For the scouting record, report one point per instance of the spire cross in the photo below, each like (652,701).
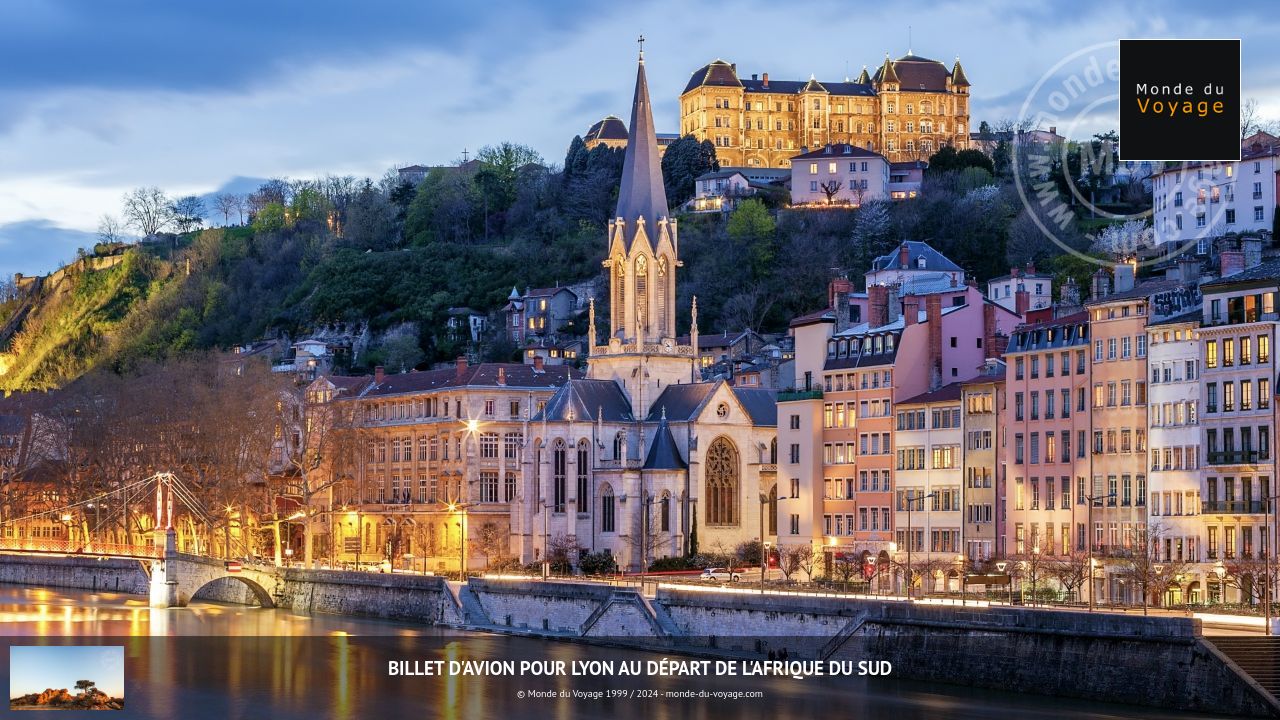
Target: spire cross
(640,42)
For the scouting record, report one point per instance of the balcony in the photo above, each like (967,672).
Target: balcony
(1231,507)
(796,395)
(1234,457)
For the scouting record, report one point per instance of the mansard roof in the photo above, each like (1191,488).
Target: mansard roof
(933,260)
(913,72)
(715,73)
(588,401)
(610,128)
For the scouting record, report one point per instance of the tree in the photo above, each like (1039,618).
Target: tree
(321,443)
(401,351)
(684,160)
(1140,563)
(370,220)
(228,204)
(1252,121)
(1071,571)
(148,210)
(561,552)
(872,235)
(791,558)
(754,233)
(1124,240)
(831,188)
(492,542)
(188,213)
(110,230)
(84,685)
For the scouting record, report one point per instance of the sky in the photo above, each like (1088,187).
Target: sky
(34,669)
(197,97)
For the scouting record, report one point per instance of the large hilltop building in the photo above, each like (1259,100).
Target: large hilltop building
(906,111)
(633,457)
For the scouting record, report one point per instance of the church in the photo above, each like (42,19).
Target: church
(641,458)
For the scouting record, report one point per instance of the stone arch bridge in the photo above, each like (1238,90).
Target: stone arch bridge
(178,577)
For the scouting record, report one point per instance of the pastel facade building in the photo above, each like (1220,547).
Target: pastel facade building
(839,175)
(983,462)
(929,452)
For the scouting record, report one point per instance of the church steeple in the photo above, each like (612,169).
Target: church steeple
(642,193)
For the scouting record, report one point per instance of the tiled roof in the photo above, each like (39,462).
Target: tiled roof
(838,150)
(760,404)
(540,292)
(1269,270)
(681,402)
(610,128)
(1191,315)
(515,375)
(1140,290)
(589,401)
(946,393)
(721,74)
(716,73)
(933,260)
(813,317)
(918,73)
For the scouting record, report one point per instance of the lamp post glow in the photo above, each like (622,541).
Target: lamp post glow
(1008,580)
(1221,571)
(1089,531)
(910,537)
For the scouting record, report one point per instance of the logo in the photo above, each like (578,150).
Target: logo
(1180,100)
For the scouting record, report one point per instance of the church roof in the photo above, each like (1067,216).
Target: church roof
(582,400)
(681,402)
(761,404)
(664,454)
(958,78)
(642,193)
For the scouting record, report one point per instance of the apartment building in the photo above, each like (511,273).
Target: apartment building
(1173,419)
(982,406)
(1046,431)
(1237,337)
(929,484)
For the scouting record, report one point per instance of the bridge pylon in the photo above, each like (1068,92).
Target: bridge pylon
(164,580)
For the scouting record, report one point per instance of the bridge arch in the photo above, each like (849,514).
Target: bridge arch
(259,592)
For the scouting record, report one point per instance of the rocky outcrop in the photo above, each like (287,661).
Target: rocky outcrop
(60,699)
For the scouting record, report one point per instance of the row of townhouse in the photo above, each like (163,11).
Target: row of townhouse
(1134,434)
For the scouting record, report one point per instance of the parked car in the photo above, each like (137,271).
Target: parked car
(720,575)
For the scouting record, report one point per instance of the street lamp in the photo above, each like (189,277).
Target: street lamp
(1008,580)
(764,546)
(1089,532)
(1221,571)
(462,567)
(911,499)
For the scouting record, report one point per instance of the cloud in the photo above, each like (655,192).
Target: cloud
(33,247)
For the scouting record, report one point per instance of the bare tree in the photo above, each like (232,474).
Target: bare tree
(148,210)
(1071,571)
(318,445)
(831,188)
(1140,563)
(791,558)
(228,204)
(110,229)
(490,540)
(1252,121)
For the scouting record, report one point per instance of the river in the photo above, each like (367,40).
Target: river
(213,660)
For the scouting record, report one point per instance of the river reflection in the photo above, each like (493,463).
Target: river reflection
(228,661)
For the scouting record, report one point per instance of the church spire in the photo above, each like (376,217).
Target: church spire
(642,193)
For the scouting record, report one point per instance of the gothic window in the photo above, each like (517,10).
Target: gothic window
(619,445)
(606,509)
(558,476)
(722,483)
(664,513)
(642,296)
(773,510)
(583,462)
(664,284)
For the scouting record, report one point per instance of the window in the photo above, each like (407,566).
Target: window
(607,519)
(582,464)
(558,462)
(722,483)
(488,446)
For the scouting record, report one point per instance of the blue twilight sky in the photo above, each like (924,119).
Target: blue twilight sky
(34,669)
(99,97)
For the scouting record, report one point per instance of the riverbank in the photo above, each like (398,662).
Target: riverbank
(1160,662)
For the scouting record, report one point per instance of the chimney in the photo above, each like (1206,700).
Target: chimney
(1189,270)
(502,376)
(755,76)
(735,67)
(904,256)
(910,310)
(933,315)
(893,303)
(766,80)
(1100,285)
(538,363)
(877,305)
(1031,268)
(1014,272)
(378,374)
(1123,278)
(1230,262)
(1252,249)
(989,330)
(1070,294)
(1053,129)
(1021,302)
(461,365)
(842,311)
(837,287)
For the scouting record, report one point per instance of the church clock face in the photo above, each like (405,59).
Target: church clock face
(722,410)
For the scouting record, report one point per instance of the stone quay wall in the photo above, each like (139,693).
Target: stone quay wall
(1152,661)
